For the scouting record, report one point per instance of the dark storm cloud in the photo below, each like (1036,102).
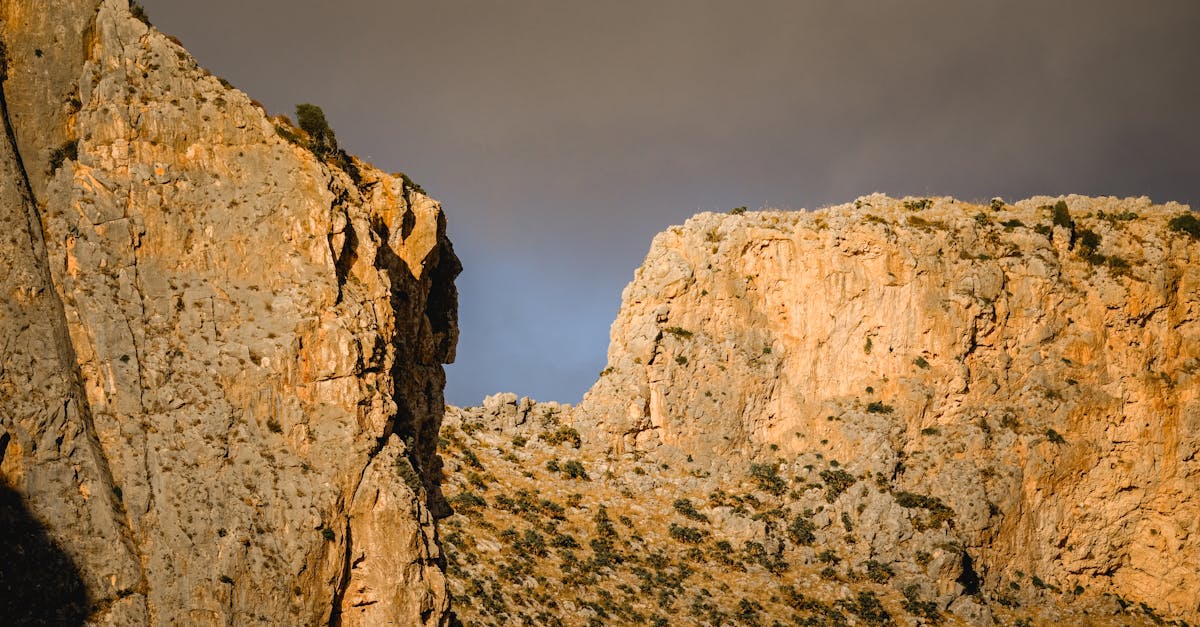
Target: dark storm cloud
(561,136)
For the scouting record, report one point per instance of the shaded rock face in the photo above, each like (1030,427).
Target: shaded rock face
(222,358)
(1036,373)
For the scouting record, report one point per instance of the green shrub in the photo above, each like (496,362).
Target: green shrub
(722,552)
(687,535)
(531,543)
(328,534)
(877,407)
(1054,437)
(574,470)
(687,510)
(1118,216)
(1061,216)
(410,184)
(564,541)
(1011,224)
(1185,223)
(287,132)
(472,459)
(405,469)
(939,512)
(801,531)
(563,434)
(913,604)
(836,482)
(918,204)
(139,12)
(737,211)
(921,362)
(468,503)
(879,572)
(867,607)
(925,225)
(766,476)
(321,139)
(678,332)
(1088,243)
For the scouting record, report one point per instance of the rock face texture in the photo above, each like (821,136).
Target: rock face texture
(1031,366)
(221,379)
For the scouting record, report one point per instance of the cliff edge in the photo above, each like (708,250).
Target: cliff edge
(1028,369)
(222,351)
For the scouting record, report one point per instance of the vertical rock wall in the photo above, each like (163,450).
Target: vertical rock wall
(1040,378)
(222,377)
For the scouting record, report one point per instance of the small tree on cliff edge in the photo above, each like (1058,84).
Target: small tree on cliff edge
(312,121)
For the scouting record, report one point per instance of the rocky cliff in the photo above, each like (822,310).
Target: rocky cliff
(221,380)
(1018,378)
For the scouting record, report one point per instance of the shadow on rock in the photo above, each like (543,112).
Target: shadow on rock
(39,583)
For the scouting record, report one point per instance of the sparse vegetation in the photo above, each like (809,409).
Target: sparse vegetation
(319,139)
(574,469)
(561,435)
(685,534)
(836,482)
(938,512)
(801,530)
(766,477)
(918,204)
(405,469)
(1061,215)
(688,510)
(642,540)
(1185,223)
(139,12)
(878,407)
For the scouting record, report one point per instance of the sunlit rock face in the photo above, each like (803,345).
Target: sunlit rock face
(222,356)
(1032,365)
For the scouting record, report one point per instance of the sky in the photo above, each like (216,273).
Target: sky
(561,135)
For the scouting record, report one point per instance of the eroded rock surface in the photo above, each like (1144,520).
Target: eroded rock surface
(1032,368)
(222,356)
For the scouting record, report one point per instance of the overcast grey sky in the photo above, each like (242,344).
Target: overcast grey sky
(562,135)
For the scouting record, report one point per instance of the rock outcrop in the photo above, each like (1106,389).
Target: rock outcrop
(221,380)
(1032,367)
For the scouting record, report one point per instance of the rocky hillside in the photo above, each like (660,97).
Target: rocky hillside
(549,531)
(1018,380)
(222,341)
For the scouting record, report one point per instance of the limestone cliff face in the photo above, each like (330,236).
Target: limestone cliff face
(1035,369)
(221,381)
